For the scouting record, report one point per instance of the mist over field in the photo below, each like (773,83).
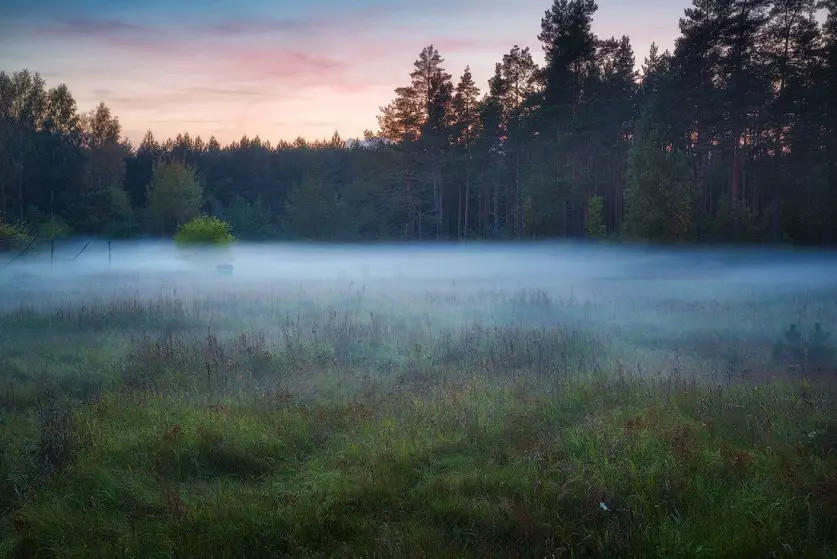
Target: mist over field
(299,401)
(554,303)
(559,268)
(684,303)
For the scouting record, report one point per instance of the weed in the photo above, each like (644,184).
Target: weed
(55,426)
(469,424)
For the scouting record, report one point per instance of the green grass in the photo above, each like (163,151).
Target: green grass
(253,425)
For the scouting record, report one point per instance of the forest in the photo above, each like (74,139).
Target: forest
(731,137)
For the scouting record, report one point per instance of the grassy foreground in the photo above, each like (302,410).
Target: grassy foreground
(278,425)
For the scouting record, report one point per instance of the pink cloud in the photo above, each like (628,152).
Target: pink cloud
(258,63)
(86,27)
(249,27)
(245,71)
(174,97)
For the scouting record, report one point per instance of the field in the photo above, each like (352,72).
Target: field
(548,402)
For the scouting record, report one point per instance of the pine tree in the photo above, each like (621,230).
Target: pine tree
(791,47)
(611,124)
(466,128)
(490,150)
(827,105)
(420,119)
(745,87)
(519,75)
(428,79)
(694,65)
(658,198)
(570,48)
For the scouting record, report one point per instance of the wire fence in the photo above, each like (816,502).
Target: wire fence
(52,243)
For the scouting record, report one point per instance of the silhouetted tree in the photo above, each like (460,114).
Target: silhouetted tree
(732,136)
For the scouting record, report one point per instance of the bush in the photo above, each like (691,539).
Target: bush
(204,230)
(13,237)
(54,228)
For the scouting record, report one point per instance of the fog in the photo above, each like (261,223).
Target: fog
(559,268)
(636,292)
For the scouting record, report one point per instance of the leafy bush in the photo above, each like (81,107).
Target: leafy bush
(204,230)
(45,226)
(13,237)
(54,228)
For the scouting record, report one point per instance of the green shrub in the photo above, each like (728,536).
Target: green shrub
(204,230)
(13,237)
(54,228)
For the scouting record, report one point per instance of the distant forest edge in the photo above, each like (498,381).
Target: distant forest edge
(732,137)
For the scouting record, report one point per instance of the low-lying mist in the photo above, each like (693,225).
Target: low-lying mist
(683,273)
(679,303)
(311,398)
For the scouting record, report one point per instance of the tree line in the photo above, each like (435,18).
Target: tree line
(730,137)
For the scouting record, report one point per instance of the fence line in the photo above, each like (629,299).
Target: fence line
(73,259)
(52,250)
(22,253)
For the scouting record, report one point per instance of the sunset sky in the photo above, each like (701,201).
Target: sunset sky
(277,69)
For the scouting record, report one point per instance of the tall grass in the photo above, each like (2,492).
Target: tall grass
(445,424)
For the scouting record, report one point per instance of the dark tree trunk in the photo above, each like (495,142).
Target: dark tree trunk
(467,197)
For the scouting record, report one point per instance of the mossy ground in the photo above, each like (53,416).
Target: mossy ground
(263,425)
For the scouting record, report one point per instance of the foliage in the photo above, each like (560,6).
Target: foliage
(46,227)
(204,230)
(174,196)
(13,237)
(737,223)
(595,226)
(214,427)
(108,212)
(54,228)
(249,220)
(658,199)
(313,211)
(731,136)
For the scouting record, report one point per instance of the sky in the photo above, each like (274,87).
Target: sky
(278,69)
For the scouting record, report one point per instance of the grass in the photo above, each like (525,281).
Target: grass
(340,422)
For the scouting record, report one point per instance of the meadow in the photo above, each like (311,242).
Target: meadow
(556,401)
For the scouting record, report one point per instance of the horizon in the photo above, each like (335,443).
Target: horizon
(278,72)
